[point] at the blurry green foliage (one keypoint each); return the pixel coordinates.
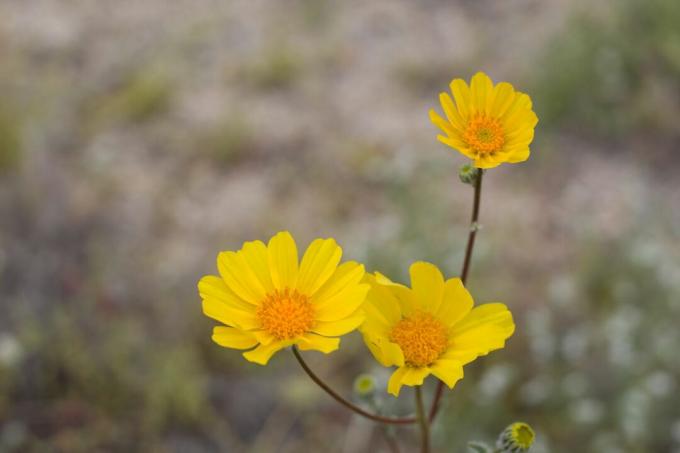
(610, 75)
(229, 141)
(276, 69)
(140, 97)
(10, 140)
(114, 377)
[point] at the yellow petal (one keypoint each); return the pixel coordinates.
(283, 260)
(481, 89)
(346, 274)
(451, 112)
(448, 371)
(341, 327)
(318, 264)
(406, 376)
(230, 337)
(457, 302)
(239, 277)
(461, 93)
(407, 299)
(230, 316)
(342, 305)
(484, 329)
(428, 285)
(384, 351)
(515, 113)
(445, 126)
(519, 156)
(503, 96)
(255, 255)
(381, 303)
(221, 304)
(312, 342)
(457, 144)
(263, 353)
(487, 161)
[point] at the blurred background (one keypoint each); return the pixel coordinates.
(138, 139)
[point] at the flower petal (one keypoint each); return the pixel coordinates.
(230, 337)
(342, 304)
(503, 96)
(221, 304)
(481, 89)
(312, 342)
(239, 277)
(461, 93)
(483, 330)
(448, 371)
(406, 376)
(255, 255)
(341, 327)
(440, 122)
(456, 121)
(384, 351)
(428, 285)
(283, 260)
(346, 275)
(318, 264)
(457, 302)
(263, 353)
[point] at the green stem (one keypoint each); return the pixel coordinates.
(349, 405)
(464, 272)
(423, 421)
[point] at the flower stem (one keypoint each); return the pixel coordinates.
(423, 421)
(464, 273)
(349, 405)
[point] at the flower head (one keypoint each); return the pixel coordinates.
(489, 124)
(268, 300)
(516, 438)
(430, 328)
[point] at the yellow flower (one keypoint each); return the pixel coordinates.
(431, 328)
(489, 124)
(268, 301)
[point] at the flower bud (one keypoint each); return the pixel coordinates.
(468, 174)
(364, 386)
(516, 438)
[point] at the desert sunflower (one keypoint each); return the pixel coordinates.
(267, 300)
(489, 124)
(431, 328)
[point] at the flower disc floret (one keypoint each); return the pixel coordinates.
(421, 337)
(286, 314)
(484, 135)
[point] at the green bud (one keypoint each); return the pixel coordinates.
(364, 385)
(516, 438)
(468, 174)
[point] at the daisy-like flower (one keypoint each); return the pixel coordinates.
(268, 300)
(489, 124)
(431, 328)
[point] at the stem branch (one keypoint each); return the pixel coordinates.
(349, 405)
(464, 273)
(423, 421)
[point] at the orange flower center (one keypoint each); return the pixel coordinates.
(484, 135)
(421, 337)
(286, 314)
